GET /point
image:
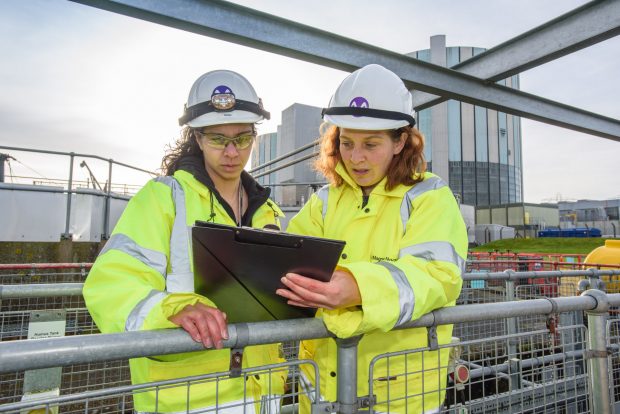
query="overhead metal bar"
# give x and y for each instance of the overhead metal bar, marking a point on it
(582, 27)
(263, 31)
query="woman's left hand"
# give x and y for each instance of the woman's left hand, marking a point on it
(340, 292)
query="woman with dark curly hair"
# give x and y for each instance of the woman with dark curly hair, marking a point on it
(406, 245)
(143, 278)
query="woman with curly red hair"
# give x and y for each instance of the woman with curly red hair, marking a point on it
(406, 245)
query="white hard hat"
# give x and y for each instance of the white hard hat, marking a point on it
(222, 97)
(371, 98)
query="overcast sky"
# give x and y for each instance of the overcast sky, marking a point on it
(76, 78)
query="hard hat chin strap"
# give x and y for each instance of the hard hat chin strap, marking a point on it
(370, 112)
(206, 107)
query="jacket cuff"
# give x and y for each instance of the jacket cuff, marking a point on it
(171, 305)
(343, 323)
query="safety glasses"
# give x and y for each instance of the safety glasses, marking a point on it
(218, 141)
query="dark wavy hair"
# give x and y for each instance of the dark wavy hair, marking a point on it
(185, 145)
(182, 147)
(407, 167)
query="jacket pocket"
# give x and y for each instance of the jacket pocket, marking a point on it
(163, 368)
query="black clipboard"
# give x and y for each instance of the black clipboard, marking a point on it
(239, 268)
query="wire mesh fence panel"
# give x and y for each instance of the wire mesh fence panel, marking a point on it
(542, 288)
(260, 390)
(11, 386)
(38, 274)
(94, 376)
(540, 376)
(30, 304)
(613, 343)
(14, 325)
(476, 292)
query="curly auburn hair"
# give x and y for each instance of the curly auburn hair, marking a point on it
(407, 167)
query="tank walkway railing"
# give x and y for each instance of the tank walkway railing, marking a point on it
(584, 369)
(106, 192)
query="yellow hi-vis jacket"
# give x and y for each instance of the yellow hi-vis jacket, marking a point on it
(144, 275)
(406, 249)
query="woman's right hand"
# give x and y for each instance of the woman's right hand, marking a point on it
(204, 324)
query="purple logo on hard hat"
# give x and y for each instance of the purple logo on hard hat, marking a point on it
(221, 90)
(358, 102)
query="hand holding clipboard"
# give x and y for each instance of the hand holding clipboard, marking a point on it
(241, 268)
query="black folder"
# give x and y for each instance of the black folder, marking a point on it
(239, 268)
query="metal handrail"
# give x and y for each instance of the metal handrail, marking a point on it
(44, 266)
(77, 154)
(25, 355)
(108, 195)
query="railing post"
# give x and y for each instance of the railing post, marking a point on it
(596, 354)
(106, 217)
(347, 374)
(3, 158)
(511, 323)
(595, 280)
(66, 235)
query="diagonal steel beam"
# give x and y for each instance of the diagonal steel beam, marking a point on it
(249, 27)
(586, 25)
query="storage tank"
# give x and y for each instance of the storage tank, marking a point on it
(607, 254)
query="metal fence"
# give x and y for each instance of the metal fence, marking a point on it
(500, 363)
(564, 371)
(71, 185)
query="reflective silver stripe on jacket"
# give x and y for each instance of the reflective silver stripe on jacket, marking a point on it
(141, 310)
(406, 298)
(323, 195)
(152, 258)
(437, 250)
(431, 183)
(180, 278)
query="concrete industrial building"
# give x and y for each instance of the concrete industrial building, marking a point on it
(300, 126)
(476, 150)
(601, 214)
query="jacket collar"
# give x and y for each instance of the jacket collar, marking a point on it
(257, 194)
(379, 189)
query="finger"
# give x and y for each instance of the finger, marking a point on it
(203, 327)
(288, 294)
(305, 294)
(220, 319)
(309, 305)
(299, 304)
(306, 282)
(214, 330)
(292, 297)
(191, 329)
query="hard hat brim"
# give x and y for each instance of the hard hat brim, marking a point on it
(364, 122)
(221, 118)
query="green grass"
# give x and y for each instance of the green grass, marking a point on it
(544, 245)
